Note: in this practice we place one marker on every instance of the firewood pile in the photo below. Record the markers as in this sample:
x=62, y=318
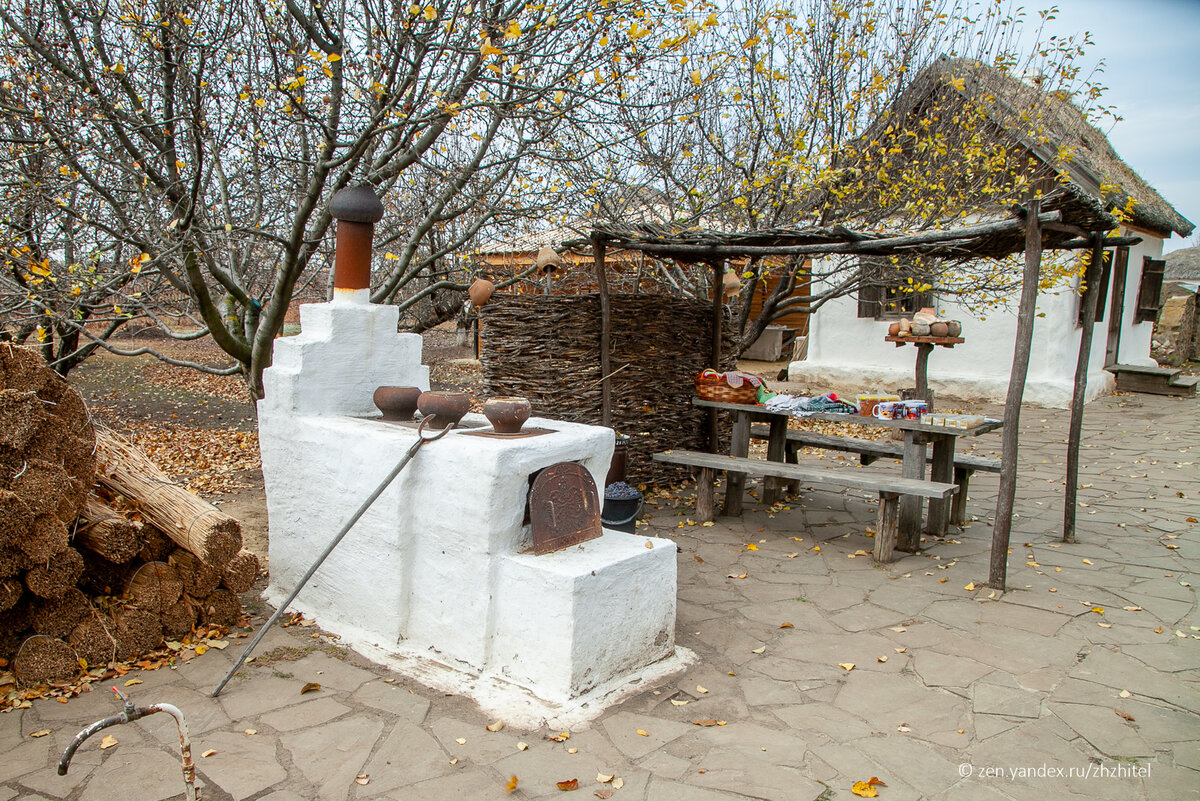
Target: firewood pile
x=102, y=556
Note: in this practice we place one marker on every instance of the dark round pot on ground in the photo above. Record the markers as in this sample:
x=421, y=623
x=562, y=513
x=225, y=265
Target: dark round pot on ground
x=397, y=403
x=445, y=408
x=622, y=506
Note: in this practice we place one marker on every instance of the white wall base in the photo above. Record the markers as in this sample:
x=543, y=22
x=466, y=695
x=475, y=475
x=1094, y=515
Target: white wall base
x=850, y=381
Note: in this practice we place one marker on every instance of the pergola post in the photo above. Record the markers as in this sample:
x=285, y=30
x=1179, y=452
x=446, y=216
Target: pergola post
x=598, y=250
x=718, y=317
x=1090, y=301
x=998, y=566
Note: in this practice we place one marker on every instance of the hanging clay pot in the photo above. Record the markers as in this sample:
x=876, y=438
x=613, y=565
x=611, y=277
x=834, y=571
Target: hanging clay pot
x=547, y=259
x=481, y=291
x=397, y=403
x=507, y=414
x=444, y=407
x=939, y=329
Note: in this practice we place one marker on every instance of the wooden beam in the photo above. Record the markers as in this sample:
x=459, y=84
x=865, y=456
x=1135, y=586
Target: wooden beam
x=1002, y=529
x=718, y=316
x=1090, y=301
x=605, y=331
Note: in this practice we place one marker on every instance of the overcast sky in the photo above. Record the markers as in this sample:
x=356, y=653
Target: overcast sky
x=1151, y=50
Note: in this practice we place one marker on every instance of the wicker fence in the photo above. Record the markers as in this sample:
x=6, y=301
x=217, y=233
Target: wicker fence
x=547, y=349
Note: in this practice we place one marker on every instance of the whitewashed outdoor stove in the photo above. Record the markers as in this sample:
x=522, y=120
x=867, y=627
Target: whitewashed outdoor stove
x=438, y=572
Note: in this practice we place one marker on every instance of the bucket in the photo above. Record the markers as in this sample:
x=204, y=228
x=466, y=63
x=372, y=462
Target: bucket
x=622, y=505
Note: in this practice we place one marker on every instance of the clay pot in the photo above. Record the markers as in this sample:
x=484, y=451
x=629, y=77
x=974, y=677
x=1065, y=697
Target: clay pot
x=444, y=408
x=397, y=403
x=939, y=330
x=905, y=327
x=480, y=291
x=953, y=328
x=894, y=329
x=507, y=415
x=920, y=329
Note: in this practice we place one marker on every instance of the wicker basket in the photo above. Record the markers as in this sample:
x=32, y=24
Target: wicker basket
x=714, y=388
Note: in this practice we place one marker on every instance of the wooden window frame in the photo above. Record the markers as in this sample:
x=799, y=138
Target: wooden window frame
x=882, y=287
x=1150, y=290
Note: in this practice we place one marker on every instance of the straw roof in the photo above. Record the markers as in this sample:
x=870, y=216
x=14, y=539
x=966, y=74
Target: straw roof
x=1098, y=181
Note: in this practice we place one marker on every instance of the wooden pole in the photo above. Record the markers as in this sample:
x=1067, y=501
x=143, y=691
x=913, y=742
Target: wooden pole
x=1090, y=300
x=718, y=314
x=998, y=567
x=605, y=331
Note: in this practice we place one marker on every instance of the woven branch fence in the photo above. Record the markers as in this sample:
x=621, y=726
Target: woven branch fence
x=547, y=349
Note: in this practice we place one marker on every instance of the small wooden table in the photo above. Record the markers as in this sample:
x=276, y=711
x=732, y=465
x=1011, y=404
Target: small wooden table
x=916, y=437
x=924, y=348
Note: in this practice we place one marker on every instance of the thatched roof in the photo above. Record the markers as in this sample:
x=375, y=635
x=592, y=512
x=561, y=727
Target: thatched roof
x=1183, y=265
x=1098, y=181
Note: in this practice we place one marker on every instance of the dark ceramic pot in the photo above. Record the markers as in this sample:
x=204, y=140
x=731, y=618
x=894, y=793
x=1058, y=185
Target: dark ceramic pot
x=507, y=415
x=954, y=328
x=939, y=330
x=397, y=403
x=445, y=408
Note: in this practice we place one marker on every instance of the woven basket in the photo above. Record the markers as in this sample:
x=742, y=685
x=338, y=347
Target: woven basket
x=715, y=389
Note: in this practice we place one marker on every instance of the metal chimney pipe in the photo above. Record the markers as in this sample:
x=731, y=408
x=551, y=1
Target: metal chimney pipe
x=356, y=210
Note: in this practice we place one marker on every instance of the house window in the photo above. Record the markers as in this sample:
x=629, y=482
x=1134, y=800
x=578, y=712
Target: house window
x=1102, y=288
x=1150, y=291
x=891, y=287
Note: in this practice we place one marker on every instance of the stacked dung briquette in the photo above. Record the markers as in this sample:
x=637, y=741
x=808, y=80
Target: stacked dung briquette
x=101, y=555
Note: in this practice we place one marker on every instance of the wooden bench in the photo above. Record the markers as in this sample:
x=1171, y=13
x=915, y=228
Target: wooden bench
x=869, y=450
x=889, y=487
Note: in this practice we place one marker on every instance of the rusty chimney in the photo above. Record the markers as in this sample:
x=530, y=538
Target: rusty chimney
x=356, y=210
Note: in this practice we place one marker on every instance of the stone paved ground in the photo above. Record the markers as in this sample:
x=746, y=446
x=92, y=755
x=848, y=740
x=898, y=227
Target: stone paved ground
x=979, y=698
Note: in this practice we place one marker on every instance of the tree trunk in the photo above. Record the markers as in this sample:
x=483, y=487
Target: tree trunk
x=1090, y=300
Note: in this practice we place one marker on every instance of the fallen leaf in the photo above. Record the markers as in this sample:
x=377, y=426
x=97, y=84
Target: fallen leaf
x=220, y=645
x=604, y=778
x=649, y=545
x=1132, y=608
x=108, y=742
x=572, y=750
x=706, y=722
x=1158, y=630
x=899, y=650
x=1099, y=610
x=675, y=702
x=512, y=785
x=618, y=783
x=736, y=575
x=603, y=792
x=970, y=587
x=701, y=690
x=846, y=666
x=132, y=682
x=311, y=687
x=863, y=790
x=39, y=732
x=643, y=733
x=461, y=740
x=362, y=778
x=750, y=546
x=201, y=650
x=759, y=650
x=1125, y=693
x=881, y=659
x=570, y=784
x=903, y=728
x=209, y=752
x=792, y=555
x=1124, y=715
x=560, y=737
x=899, y=629
x=454, y=761
x=497, y=726
x=1087, y=561
x=698, y=559
x=786, y=626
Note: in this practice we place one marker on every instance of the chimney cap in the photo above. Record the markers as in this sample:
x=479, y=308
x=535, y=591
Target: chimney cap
x=356, y=204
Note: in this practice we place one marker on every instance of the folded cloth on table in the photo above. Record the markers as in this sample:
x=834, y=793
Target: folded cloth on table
x=805, y=407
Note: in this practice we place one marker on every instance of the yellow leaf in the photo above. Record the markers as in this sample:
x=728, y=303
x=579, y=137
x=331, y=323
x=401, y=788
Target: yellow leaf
x=750, y=546
x=250, y=732
x=864, y=790
x=643, y=733
x=461, y=740
x=759, y=650
x=881, y=659
x=430, y=13
x=846, y=666
x=1087, y=561
x=604, y=778
x=488, y=49
x=39, y=733
x=522, y=745
x=209, y=753
x=559, y=95
x=1099, y=610
x=362, y=778
x=513, y=31
x=108, y=742
x=786, y=626
x=200, y=649
x=697, y=77
x=969, y=587
x=132, y=682
x=675, y=702
x=334, y=57
x=311, y=687
x=569, y=784
x=497, y=726
x=701, y=690
x=512, y=785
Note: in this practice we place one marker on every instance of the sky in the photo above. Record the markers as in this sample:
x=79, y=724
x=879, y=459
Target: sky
x=1151, y=53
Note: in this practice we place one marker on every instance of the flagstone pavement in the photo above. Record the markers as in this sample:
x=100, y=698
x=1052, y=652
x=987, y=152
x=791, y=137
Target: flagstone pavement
x=1080, y=681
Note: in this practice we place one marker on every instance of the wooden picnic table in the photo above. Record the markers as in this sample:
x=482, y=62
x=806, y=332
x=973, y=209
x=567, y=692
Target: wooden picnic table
x=916, y=436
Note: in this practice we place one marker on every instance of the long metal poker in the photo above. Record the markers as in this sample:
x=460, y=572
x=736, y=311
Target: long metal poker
x=416, y=446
